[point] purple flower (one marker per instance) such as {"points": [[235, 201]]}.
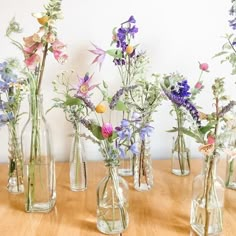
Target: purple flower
{"points": [[100, 55], [83, 85], [146, 131], [132, 31], [131, 20], [182, 89]]}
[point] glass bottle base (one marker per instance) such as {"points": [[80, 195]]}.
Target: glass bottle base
{"points": [[41, 207], [110, 227], [77, 188], [179, 172], [198, 218], [125, 172], [14, 187], [142, 187], [231, 185]]}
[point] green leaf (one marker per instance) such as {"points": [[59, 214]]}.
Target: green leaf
{"points": [[96, 131], [114, 53], [120, 106], [114, 136], [192, 134], [70, 101], [172, 130], [220, 54], [205, 129]]}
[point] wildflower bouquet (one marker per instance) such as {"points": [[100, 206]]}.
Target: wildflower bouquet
{"points": [[39, 179], [74, 109], [112, 214], [131, 66], [11, 95], [208, 188], [177, 90]]}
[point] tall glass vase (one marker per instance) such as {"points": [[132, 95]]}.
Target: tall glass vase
{"points": [[15, 167], [143, 174], [78, 165], [180, 160], [207, 200], [230, 179], [39, 165], [112, 203]]}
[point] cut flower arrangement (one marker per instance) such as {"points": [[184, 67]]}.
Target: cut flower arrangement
{"points": [[12, 91], [131, 66], [177, 90], [39, 170], [208, 188]]}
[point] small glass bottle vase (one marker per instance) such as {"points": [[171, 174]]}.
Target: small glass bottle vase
{"points": [[39, 165], [78, 165], [15, 167], [230, 179], [143, 174], [112, 203], [180, 159], [207, 200]]}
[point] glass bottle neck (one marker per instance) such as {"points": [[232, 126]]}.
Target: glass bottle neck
{"points": [[209, 163], [36, 106]]}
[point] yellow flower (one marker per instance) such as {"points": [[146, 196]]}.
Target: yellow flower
{"points": [[43, 20], [202, 116], [129, 49], [100, 108]]}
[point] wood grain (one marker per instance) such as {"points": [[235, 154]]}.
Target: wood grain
{"points": [[163, 211]]}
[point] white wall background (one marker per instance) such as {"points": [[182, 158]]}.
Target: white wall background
{"points": [[175, 34]]}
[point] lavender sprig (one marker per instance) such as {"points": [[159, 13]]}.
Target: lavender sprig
{"points": [[181, 101], [227, 108], [118, 94], [87, 102]]}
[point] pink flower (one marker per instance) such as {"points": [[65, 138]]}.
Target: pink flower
{"points": [[60, 56], [210, 139], [100, 55], [198, 85], [83, 85], [58, 51], [58, 45], [203, 66], [107, 130], [32, 61]]}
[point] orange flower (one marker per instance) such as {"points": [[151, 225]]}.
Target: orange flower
{"points": [[100, 108], [207, 149]]}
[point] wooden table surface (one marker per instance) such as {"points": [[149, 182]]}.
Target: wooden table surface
{"points": [[163, 211]]}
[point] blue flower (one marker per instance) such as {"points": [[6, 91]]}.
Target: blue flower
{"points": [[6, 73], [134, 148], [124, 123], [146, 131], [4, 118]]}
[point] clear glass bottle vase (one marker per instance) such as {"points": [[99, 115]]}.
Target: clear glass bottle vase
{"points": [[207, 200], [39, 164], [230, 178], [112, 203], [143, 174], [78, 164], [15, 167], [180, 159]]}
